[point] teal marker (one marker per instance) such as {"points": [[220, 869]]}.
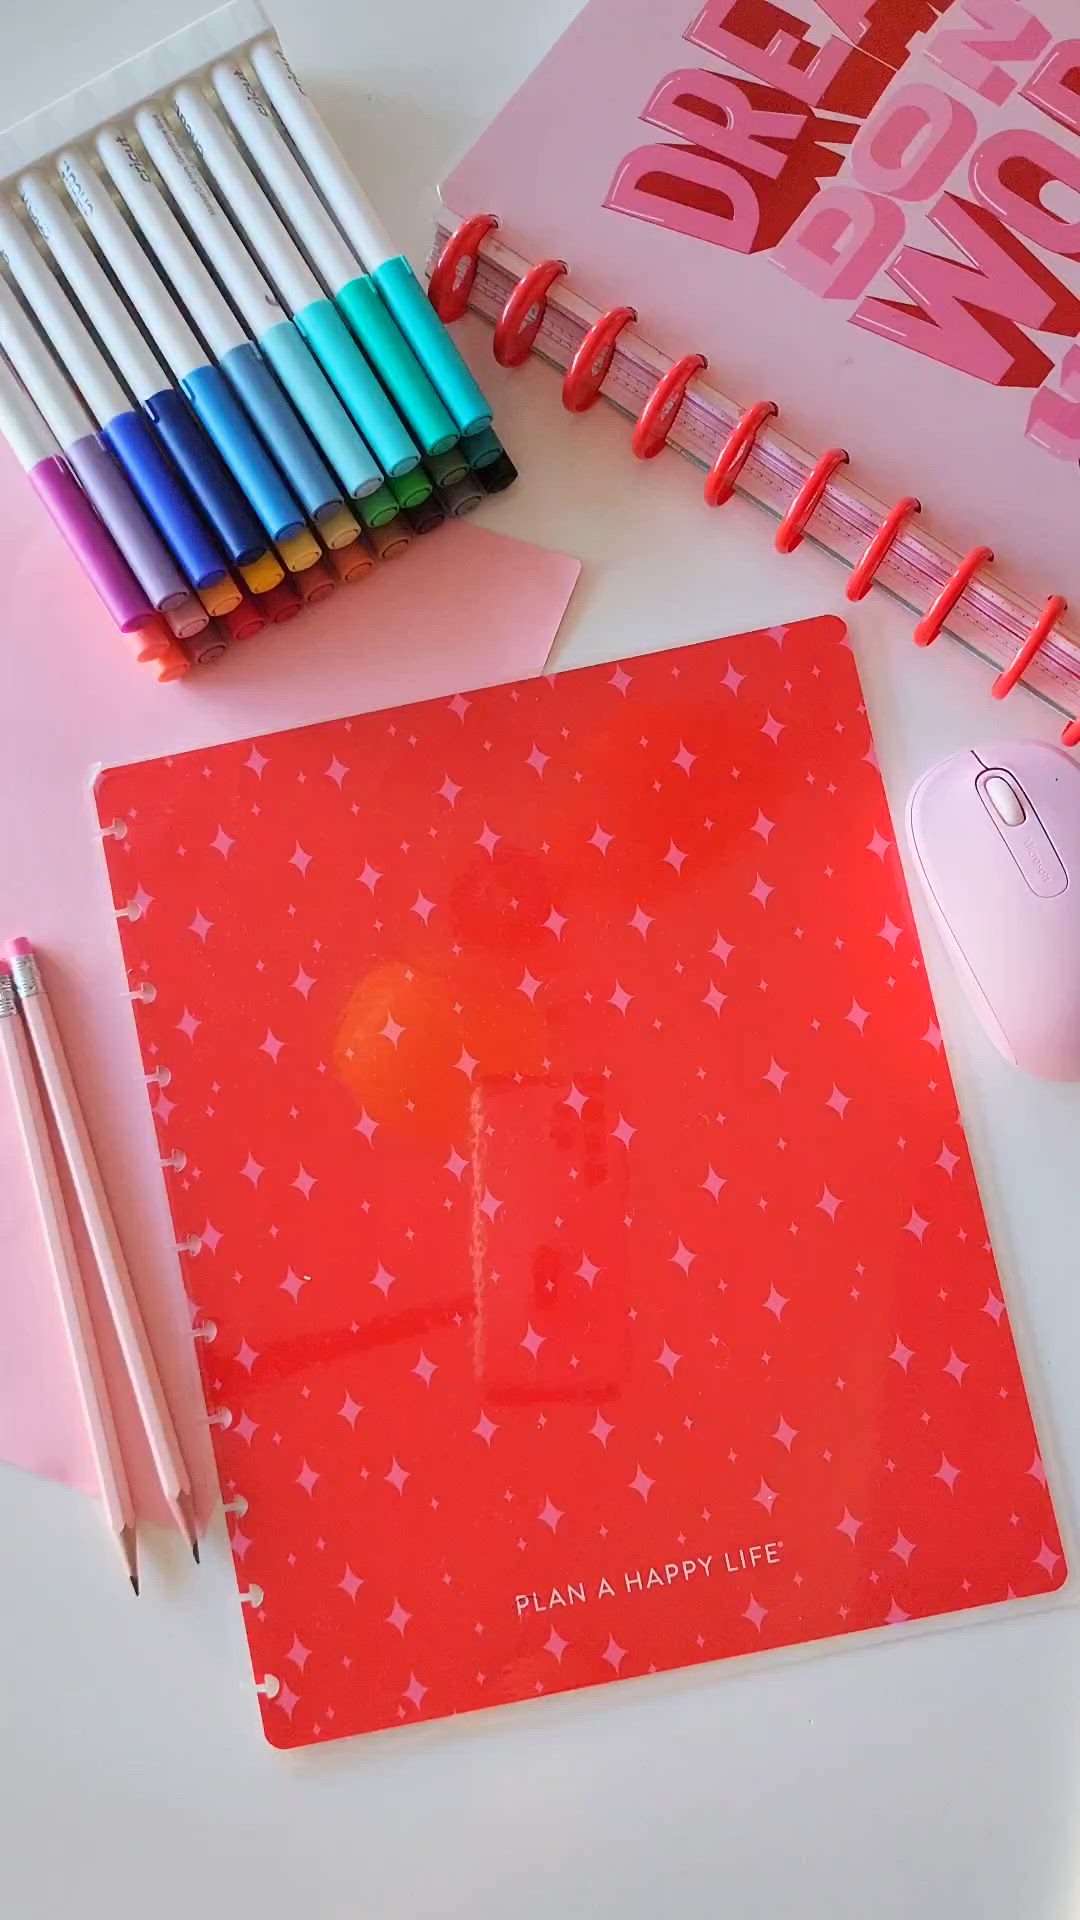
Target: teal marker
{"points": [[282, 344], [397, 365], [393, 278], [318, 320]]}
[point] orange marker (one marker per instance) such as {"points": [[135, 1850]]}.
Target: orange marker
{"points": [[155, 646]]}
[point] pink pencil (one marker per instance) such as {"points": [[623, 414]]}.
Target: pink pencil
{"points": [[104, 1239], [115, 1492]]}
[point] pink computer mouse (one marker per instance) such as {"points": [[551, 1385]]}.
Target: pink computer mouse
{"points": [[996, 836]]}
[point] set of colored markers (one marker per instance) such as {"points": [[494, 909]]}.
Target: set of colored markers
{"points": [[227, 388]]}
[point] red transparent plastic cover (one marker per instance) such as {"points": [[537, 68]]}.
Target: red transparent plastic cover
{"points": [[599, 1273]]}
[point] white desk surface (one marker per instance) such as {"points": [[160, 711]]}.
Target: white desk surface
{"points": [[938, 1775]]}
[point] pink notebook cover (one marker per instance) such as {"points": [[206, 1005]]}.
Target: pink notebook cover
{"points": [[869, 213], [574, 1184]]}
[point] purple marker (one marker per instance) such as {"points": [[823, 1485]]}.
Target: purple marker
{"points": [[85, 452], [50, 476]]}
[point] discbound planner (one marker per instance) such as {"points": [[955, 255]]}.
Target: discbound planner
{"points": [[570, 1187]]}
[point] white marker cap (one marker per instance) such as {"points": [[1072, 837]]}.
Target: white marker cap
{"points": [[22, 426], [207, 220], [145, 289], [73, 344], [269, 240], [322, 156], [286, 180], [177, 257], [93, 289], [39, 373]]}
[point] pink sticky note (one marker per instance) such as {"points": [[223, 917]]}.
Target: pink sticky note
{"points": [[464, 608]]}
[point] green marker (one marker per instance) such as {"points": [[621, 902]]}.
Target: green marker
{"points": [[413, 489], [317, 317], [378, 509]]}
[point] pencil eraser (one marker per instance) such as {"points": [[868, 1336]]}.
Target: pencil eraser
{"points": [[19, 946]]}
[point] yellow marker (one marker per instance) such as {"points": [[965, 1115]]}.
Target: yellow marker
{"points": [[223, 597], [339, 527], [300, 552], [263, 575]]}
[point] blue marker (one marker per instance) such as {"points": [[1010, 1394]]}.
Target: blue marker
{"points": [[236, 355], [279, 339], [196, 459], [126, 431], [210, 393], [316, 318]]}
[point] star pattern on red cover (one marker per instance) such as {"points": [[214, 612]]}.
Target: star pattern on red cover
{"points": [[560, 1141]]}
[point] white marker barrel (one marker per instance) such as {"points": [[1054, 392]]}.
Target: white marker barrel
{"points": [[286, 180], [144, 287], [268, 238], [212, 227], [322, 156], [39, 373], [22, 425], [93, 289], [177, 257], [60, 323]]}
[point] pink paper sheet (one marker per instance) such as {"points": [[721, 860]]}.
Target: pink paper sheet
{"points": [[464, 609]]}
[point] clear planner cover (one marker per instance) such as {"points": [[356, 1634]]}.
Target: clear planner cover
{"points": [[561, 1144]]}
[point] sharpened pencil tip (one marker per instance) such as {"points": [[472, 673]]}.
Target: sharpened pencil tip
{"points": [[129, 1550], [185, 1513]]}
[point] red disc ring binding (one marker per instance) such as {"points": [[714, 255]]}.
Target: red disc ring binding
{"points": [[589, 367], [658, 415], [790, 531], [932, 622], [861, 577], [522, 317], [735, 452], [455, 269], [1070, 735], [1040, 633]]}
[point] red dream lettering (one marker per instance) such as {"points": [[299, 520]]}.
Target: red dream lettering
{"points": [[884, 28], [973, 316], [771, 45], [710, 110], [734, 186]]}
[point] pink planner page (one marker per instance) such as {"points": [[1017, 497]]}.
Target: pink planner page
{"points": [[867, 213], [463, 608]]}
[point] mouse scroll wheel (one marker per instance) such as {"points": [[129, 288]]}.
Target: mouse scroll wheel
{"points": [[1005, 800]]}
